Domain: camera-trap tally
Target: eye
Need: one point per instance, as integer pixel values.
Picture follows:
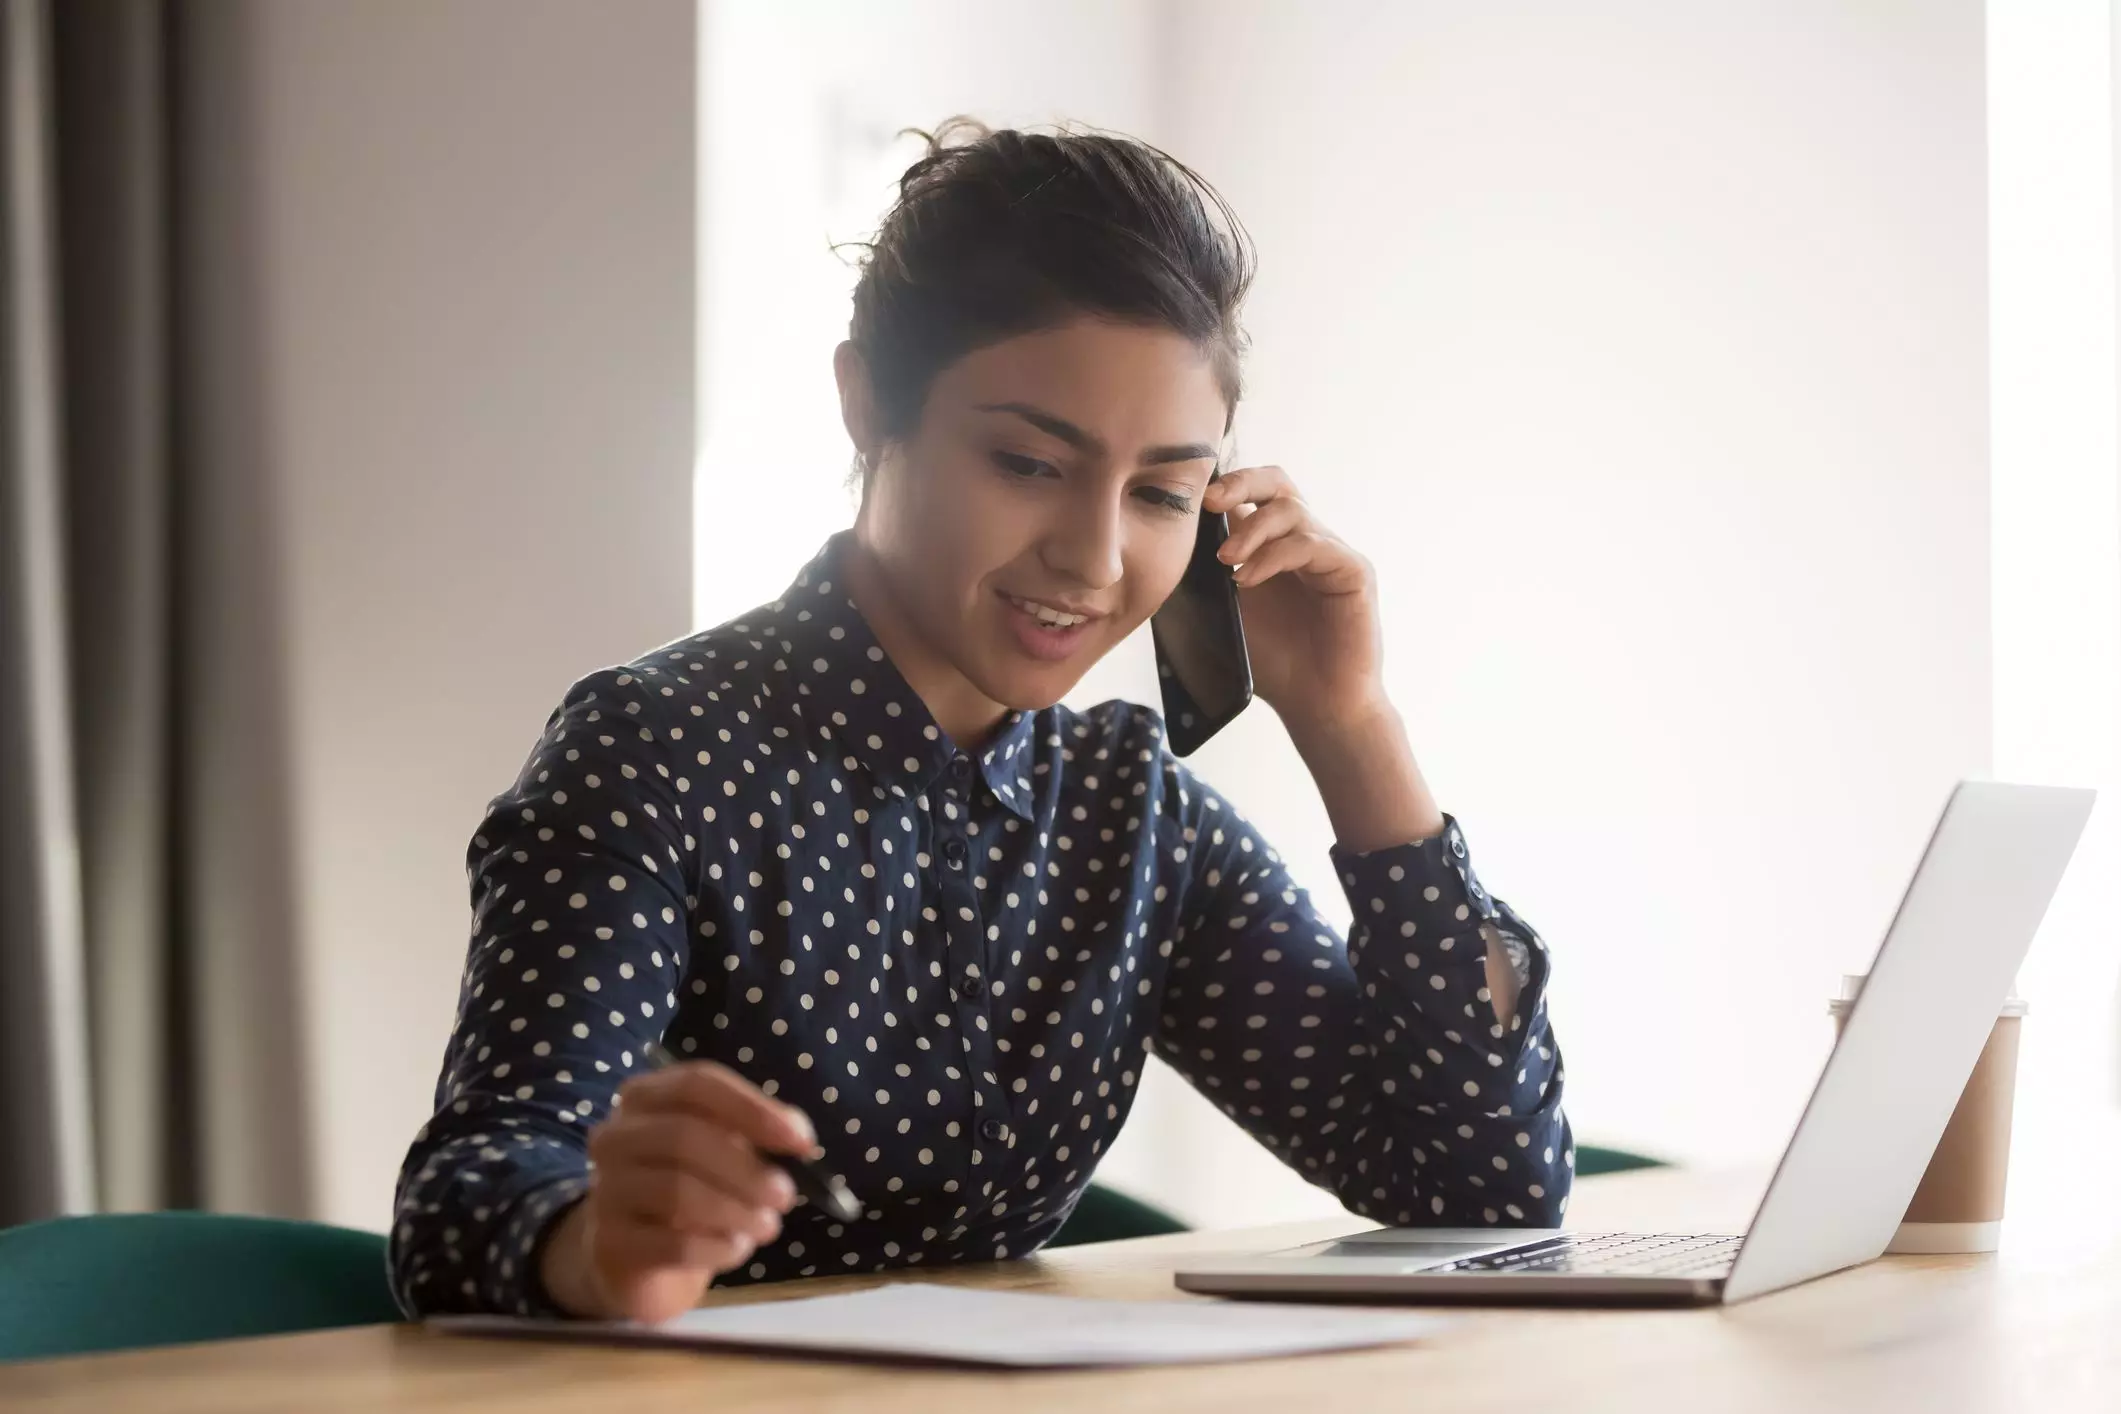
(1172, 501)
(1022, 466)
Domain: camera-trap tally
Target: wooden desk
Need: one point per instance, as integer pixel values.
(2037, 1328)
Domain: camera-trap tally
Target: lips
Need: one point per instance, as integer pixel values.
(1046, 632)
(1050, 615)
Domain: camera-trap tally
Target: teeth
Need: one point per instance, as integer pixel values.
(1051, 618)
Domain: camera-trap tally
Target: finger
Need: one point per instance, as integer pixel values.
(716, 1092)
(684, 1202)
(689, 1143)
(1301, 552)
(1254, 484)
(1256, 531)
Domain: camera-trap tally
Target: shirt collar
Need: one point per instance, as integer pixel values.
(852, 696)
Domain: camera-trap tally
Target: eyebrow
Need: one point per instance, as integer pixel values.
(1084, 441)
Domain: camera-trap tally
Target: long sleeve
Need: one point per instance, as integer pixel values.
(579, 894)
(1375, 1067)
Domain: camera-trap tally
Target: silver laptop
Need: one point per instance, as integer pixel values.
(1861, 1146)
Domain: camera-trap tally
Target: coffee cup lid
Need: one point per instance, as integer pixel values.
(1852, 987)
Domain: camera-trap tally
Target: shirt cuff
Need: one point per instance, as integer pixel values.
(535, 1218)
(1400, 877)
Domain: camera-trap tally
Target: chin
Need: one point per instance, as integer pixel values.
(1022, 691)
(1027, 697)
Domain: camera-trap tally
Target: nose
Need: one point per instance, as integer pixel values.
(1085, 544)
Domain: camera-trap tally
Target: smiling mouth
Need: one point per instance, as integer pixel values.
(1047, 615)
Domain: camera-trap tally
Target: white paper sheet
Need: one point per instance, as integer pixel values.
(921, 1321)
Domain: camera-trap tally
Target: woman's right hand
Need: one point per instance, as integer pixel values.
(679, 1194)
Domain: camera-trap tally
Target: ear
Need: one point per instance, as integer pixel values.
(857, 403)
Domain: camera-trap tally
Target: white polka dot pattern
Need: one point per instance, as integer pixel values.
(756, 845)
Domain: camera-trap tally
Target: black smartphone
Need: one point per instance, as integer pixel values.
(1201, 662)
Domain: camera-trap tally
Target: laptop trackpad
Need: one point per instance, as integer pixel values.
(1410, 1250)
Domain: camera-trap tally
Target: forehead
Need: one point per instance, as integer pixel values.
(1130, 385)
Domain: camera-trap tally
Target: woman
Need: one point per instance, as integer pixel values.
(848, 860)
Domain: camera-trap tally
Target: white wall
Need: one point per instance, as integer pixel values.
(1643, 347)
(472, 292)
(2056, 531)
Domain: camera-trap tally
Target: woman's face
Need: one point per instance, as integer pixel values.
(1046, 504)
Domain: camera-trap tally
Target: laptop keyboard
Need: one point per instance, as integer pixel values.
(1612, 1254)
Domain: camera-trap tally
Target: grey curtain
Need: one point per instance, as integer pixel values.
(148, 996)
(44, 1111)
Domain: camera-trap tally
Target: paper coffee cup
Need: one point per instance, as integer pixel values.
(1958, 1207)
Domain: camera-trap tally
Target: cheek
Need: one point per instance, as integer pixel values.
(1160, 566)
(950, 527)
(921, 510)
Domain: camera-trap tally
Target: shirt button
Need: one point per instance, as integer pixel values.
(968, 989)
(954, 851)
(994, 1130)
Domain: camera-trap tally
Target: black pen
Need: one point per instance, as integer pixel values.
(812, 1179)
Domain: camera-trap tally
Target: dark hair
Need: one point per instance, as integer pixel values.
(996, 234)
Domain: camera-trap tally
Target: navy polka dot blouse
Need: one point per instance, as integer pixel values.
(756, 846)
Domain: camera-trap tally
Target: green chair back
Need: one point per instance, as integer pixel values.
(1591, 1159)
(124, 1280)
(1106, 1215)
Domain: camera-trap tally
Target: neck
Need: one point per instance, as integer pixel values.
(964, 713)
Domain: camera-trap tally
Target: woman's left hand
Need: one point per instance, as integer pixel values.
(1309, 602)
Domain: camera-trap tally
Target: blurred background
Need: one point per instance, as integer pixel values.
(1726, 393)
